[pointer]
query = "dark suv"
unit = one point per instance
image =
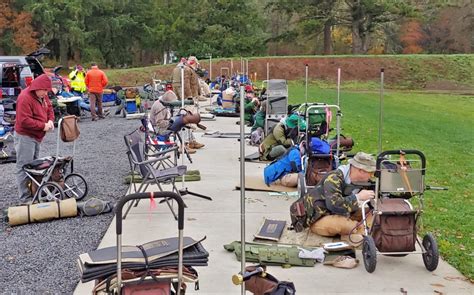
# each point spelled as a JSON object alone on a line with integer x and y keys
{"x": 17, "y": 72}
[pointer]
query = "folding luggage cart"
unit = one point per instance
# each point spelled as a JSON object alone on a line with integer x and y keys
{"x": 149, "y": 283}
{"x": 394, "y": 228}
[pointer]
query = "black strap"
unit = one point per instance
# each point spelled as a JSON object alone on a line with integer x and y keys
{"x": 147, "y": 266}
{"x": 59, "y": 208}
{"x": 28, "y": 208}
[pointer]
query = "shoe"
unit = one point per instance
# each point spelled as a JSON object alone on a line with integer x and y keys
{"x": 106, "y": 112}
{"x": 94, "y": 119}
{"x": 101, "y": 117}
{"x": 196, "y": 145}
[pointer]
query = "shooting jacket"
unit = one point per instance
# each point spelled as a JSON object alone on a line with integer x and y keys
{"x": 328, "y": 197}
{"x": 278, "y": 136}
{"x": 191, "y": 82}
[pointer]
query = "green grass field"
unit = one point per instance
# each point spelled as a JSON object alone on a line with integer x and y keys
{"x": 439, "y": 125}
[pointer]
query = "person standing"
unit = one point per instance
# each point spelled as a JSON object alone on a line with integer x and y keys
{"x": 96, "y": 80}
{"x": 34, "y": 117}
{"x": 78, "y": 80}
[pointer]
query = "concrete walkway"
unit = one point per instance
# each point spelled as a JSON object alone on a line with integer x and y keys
{"x": 219, "y": 221}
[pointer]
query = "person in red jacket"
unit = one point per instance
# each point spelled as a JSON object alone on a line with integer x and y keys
{"x": 34, "y": 117}
{"x": 96, "y": 80}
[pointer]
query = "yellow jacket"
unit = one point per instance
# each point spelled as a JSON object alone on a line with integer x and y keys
{"x": 78, "y": 81}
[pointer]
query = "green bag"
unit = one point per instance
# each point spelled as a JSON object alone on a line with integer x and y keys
{"x": 284, "y": 255}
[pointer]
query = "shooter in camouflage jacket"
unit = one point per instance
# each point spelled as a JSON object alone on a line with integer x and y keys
{"x": 331, "y": 206}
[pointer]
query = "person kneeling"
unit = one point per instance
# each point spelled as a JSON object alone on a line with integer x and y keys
{"x": 332, "y": 209}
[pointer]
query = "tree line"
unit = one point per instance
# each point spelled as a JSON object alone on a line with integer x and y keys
{"x": 119, "y": 33}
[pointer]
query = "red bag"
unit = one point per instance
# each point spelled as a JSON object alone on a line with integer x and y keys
{"x": 147, "y": 287}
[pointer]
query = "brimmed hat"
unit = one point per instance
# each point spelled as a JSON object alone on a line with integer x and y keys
{"x": 192, "y": 60}
{"x": 363, "y": 161}
{"x": 294, "y": 120}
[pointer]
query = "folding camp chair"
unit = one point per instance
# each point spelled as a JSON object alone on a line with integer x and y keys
{"x": 151, "y": 167}
{"x": 154, "y": 144}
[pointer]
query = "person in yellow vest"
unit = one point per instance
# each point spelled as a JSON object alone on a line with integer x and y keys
{"x": 78, "y": 80}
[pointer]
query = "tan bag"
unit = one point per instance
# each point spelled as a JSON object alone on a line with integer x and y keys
{"x": 69, "y": 130}
{"x": 42, "y": 212}
{"x": 131, "y": 93}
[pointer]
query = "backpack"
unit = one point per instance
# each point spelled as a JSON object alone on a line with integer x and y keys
{"x": 256, "y": 137}
{"x": 131, "y": 93}
{"x": 268, "y": 284}
{"x": 298, "y": 215}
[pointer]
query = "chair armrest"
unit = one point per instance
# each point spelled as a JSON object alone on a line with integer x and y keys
{"x": 151, "y": 160}
{"x": 164, "y": 152}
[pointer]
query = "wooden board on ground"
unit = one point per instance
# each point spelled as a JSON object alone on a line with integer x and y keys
{"x": 207, "y": 117}
{"x": 135, "y": 116}
{"x": 219, "y": 134}
{"x": 256, "y": 183}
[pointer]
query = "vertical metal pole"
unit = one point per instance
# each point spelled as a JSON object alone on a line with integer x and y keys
{"x": 119, "y": 263}
{"x": 247, "y": 69}
{"x": 242, "y": 183}
{"x": 381, "y": 110}
{"x": 210, "y": 78}
{"x": 338, "y": 85}
{"x": 182, "y": 133}
{"x": 180, "y": 259}
{"x": 306, "y": 85}
{"x": 241, "y": 65}
{"x": 268, "y": 72}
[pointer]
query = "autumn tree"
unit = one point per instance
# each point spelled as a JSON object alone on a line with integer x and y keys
{"x": 16, "y": 31}
{"x": 412, "y": 36}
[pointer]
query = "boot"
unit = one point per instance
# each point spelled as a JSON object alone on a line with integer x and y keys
{"x": 195, "y": 145}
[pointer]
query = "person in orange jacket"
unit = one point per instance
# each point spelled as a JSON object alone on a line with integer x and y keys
{"x": 96, "y": 80}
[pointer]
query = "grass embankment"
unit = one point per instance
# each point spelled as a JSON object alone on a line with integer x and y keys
{"x": 412, "y": 72}
{"x": 438, "y": 125}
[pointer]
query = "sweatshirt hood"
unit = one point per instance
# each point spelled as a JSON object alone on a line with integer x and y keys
{"x": 41, "y": 82}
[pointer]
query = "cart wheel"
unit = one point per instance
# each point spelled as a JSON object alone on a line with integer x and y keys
{"x": 431, "y": 255}
{"x": 75, "y": 186}
{"x": 301, "y": 186}
{"x": 369, "y": 252}
{"x": 50, "y": 191}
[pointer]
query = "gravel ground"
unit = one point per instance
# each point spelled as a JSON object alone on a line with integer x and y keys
{"x": 41, "y": 258}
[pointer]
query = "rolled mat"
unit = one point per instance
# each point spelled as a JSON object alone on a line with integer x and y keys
{"x": 42, "y": 212}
